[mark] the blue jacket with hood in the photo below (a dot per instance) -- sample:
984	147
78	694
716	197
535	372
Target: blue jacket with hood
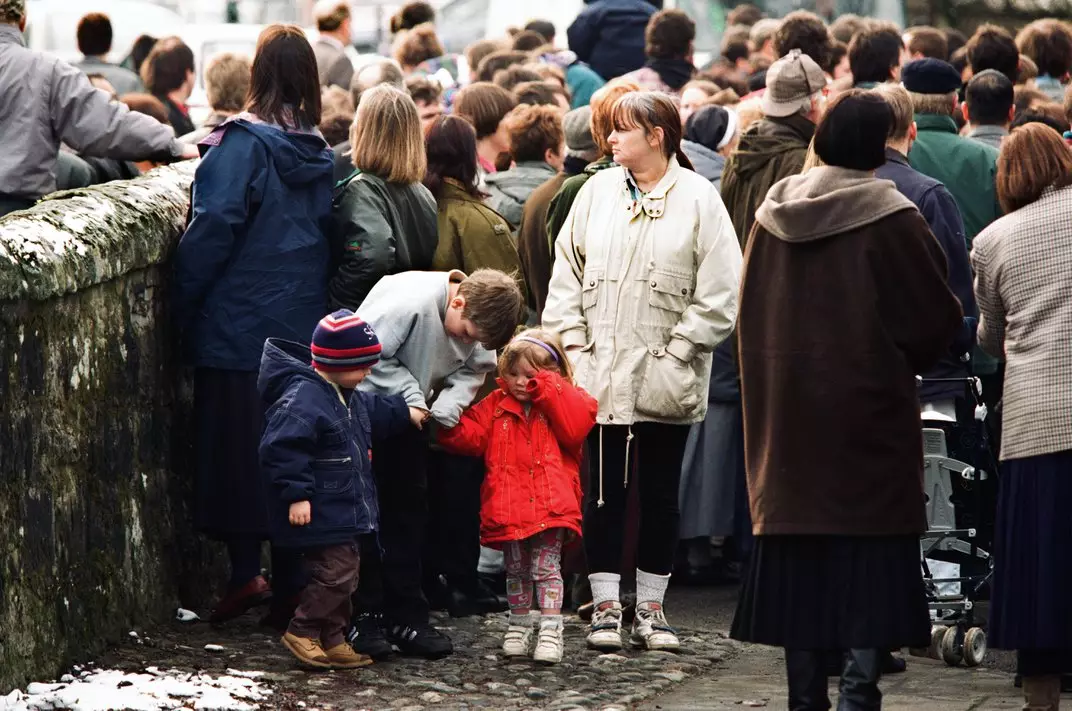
609	35
317	449
253	263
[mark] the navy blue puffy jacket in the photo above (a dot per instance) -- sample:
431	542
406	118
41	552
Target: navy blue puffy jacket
609	35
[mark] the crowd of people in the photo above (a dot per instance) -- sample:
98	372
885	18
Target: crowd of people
599	295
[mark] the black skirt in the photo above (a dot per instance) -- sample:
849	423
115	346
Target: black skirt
1032	589
231	498
834	593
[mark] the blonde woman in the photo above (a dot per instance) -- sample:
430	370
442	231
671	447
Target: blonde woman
385	219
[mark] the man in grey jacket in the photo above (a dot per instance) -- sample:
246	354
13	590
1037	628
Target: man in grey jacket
48	102
333	21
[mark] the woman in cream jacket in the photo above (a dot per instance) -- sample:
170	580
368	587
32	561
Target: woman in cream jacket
644	287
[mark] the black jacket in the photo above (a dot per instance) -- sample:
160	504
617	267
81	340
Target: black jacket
380	228
609	35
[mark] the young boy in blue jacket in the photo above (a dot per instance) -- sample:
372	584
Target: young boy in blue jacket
316	452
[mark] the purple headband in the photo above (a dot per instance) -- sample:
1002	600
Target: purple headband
541	344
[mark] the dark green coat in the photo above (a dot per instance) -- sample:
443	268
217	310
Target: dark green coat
967	168
563	201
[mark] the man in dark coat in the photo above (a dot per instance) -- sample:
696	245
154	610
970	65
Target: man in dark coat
774	147
940	210
609	35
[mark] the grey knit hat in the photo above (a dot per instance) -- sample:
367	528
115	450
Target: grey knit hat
577	125
12	10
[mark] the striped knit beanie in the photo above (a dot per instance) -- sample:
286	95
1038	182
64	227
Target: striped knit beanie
342	341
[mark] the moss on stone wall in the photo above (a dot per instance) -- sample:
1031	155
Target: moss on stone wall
95	538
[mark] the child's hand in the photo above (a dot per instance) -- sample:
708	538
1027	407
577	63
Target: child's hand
418	417
301	513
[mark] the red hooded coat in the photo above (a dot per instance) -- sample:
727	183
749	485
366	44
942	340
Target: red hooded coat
533	463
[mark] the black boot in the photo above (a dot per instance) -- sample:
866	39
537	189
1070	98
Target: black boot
859	681
420	641
806	673
367	637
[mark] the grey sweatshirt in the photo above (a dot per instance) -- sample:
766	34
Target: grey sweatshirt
420	361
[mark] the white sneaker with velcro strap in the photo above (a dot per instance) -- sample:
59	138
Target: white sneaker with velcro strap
651	630
517	639
606	630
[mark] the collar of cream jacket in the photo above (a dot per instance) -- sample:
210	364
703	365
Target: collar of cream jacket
652	204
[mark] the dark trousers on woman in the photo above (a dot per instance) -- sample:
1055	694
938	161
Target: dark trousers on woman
391	571
325	608
453	548
657	450
858	690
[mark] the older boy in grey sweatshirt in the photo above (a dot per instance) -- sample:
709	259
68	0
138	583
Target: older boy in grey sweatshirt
439	332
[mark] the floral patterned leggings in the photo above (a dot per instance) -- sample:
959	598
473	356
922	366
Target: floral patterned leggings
534	562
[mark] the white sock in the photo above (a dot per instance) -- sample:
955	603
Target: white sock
650	587
604	587
521	620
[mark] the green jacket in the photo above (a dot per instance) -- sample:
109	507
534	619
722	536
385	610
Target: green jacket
770	150
967	168
473	236
563	201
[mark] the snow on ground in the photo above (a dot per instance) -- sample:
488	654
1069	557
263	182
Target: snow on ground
152	690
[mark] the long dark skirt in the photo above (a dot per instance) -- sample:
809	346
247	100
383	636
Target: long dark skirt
231	498
1032	590
833	593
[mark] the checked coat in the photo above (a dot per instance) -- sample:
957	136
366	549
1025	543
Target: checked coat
1023	283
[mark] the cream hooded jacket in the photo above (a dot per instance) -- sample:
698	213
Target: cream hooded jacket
646	289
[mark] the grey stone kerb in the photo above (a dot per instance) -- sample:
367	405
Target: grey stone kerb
78	238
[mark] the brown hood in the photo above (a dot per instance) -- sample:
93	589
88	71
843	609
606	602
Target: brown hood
826	201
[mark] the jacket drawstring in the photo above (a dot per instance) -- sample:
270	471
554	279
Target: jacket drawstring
625	482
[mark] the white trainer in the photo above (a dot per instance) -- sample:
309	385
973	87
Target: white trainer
651	630
549	641
606	630
516	641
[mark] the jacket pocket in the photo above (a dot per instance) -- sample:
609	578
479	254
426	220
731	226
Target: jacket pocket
670	389
581	361
334	504
590	287
670	293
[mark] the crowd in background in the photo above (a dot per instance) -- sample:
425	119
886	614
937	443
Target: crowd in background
794	419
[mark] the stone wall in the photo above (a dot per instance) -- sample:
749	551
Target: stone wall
95	537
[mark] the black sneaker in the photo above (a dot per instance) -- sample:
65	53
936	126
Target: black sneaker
366	636
420	641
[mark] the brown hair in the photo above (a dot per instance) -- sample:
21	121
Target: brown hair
386	138
336	100
94	34
744	14
725	97
167	65
493	303
549	72
527	41
285	86
900	102
602	104
669	35
418	45
540	93
522	350
847	26
500	59
484	105
1049	44
411	15
513	75
335	127
992	47
1024	97
929	42
147	104
475	53
423	90
805	31
227	80
533	131
707	86
1033	158
649	110
334	19
451	149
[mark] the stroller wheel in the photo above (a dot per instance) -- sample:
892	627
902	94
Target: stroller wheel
974	647
935	650
952	652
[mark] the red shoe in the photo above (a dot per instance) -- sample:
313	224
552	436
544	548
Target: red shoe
235	603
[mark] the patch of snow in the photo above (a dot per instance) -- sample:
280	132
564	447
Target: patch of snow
152	691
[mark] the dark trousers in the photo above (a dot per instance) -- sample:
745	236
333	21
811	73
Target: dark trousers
453	547
288	572
325	608
657	451
858	688
391	571
10	204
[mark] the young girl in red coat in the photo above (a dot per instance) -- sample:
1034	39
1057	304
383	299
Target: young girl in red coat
530	432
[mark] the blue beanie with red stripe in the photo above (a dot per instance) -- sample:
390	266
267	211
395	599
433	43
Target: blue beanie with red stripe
343	341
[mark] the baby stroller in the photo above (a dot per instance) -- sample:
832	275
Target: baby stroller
960	477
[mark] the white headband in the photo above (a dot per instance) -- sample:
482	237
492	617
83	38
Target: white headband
731	129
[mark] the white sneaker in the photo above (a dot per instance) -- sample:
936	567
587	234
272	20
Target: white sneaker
549	642
516	641
651	630
606	631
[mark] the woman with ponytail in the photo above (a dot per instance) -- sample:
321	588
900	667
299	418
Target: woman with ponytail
644	288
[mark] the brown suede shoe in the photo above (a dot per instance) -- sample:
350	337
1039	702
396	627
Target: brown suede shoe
236	602
308	651
343	656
